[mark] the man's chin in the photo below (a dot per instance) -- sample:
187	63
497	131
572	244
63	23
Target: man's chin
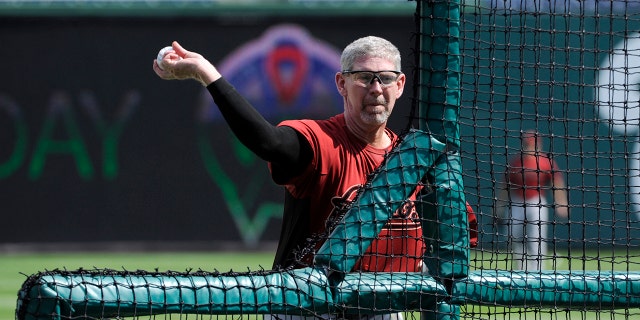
375	118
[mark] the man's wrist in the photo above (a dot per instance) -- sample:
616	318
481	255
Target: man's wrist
208	75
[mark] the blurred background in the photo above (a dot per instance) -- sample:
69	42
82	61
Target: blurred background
97	152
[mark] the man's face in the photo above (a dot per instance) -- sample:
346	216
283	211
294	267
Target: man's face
370	103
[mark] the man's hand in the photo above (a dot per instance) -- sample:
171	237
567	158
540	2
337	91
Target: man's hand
562	211
181	64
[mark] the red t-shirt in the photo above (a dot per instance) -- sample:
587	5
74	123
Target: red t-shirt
341	164
529	174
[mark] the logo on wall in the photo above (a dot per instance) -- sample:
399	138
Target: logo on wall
284	74
618	94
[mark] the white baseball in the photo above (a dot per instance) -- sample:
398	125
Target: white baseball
161	55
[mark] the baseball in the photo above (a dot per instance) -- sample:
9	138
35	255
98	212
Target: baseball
161	55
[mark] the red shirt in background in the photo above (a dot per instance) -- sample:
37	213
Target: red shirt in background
529	174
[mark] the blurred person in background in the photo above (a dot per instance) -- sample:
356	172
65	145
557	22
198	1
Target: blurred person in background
522	204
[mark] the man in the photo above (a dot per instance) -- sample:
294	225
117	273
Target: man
322	163
528	178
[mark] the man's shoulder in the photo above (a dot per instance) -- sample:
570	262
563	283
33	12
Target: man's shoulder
331	126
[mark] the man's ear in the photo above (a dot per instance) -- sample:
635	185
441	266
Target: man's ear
340	84
402	79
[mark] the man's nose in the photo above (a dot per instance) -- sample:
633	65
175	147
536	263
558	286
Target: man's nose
375	77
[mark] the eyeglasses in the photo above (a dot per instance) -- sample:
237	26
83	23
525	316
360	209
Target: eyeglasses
366	78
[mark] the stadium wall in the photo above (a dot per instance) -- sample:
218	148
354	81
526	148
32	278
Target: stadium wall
97	149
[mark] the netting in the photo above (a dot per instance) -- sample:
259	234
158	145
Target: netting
527	111
564	74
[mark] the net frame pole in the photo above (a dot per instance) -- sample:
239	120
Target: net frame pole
439	98
440	69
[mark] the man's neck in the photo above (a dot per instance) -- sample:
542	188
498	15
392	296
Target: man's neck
376	137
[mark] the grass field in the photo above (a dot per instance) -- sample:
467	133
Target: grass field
14	269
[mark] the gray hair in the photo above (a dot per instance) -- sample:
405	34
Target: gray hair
370	47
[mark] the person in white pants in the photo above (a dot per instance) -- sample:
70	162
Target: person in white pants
522	203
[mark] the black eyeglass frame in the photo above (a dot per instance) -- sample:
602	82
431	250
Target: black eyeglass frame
376	75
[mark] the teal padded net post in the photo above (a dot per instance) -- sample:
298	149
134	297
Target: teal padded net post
306	292
102	294
412	161
444	211
550	289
